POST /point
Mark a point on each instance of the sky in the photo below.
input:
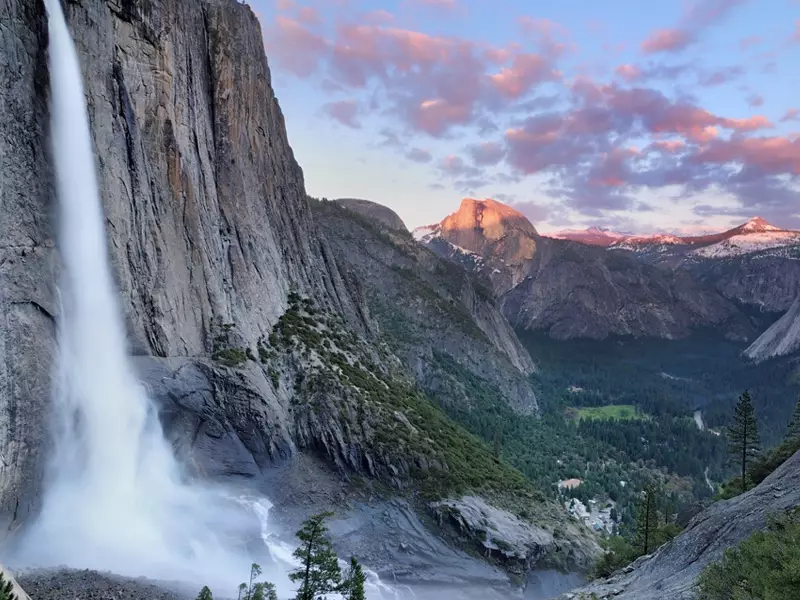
(634, 115)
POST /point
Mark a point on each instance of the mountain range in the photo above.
(596, 283)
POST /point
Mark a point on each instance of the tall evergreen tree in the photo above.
(205, 594)
(353, 586)
(270, 593)
(319, 571)
(647, 521)
(242, 590)
(255, 571)
(743, 435)
(794, 425)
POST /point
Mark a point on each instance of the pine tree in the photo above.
(270, 593)
(6, 589)
(242, 590)
(498, 441)
(743, 435)
(353, 586)
(794, 425)
(319, 572)
(205, 594)
(647, 521)
(255, 571)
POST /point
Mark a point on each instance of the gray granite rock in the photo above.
(670, 572)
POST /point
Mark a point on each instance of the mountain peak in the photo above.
(494, 219)
(757, 224)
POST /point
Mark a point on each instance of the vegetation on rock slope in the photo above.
(766, 566)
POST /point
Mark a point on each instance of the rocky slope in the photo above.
(670, 573)
(571, 289)
(781, 339)
(430, 310)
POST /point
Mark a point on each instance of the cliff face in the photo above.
(27, 256)
(206, 213)
(781, 339)
(430, 310)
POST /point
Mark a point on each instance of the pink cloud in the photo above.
(343, 111)
(525, 71)
(436, 116)
(628, 72)
(544, 33)
(308, 15)
(792, 114)
(434, 83)
(284, 4)
(796, 35)
(749, 41)
(379, 17)
(666, 40)
(701, 14)
(669, 145)
(774, 155)
(294, 47)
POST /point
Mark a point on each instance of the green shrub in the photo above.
(766, 566)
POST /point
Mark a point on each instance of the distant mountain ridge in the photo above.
(572, 289)
(769, 235)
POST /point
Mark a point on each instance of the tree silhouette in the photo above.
(319, 572)
(353, 586)
(743, 435)
(647, 521)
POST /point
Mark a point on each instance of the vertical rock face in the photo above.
(206, 212)
(782, 338)
(205, 202)
(27, 257)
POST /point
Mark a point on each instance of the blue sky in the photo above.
(626, 114)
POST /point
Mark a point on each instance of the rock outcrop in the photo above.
(781, 339)
(383, 214)
(670, 573)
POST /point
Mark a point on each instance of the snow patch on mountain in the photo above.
(750, 242)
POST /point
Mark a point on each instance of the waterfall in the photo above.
(114, 498)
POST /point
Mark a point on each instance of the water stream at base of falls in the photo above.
(115, 498)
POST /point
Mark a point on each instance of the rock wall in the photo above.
(206, 212)
(27, 258)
